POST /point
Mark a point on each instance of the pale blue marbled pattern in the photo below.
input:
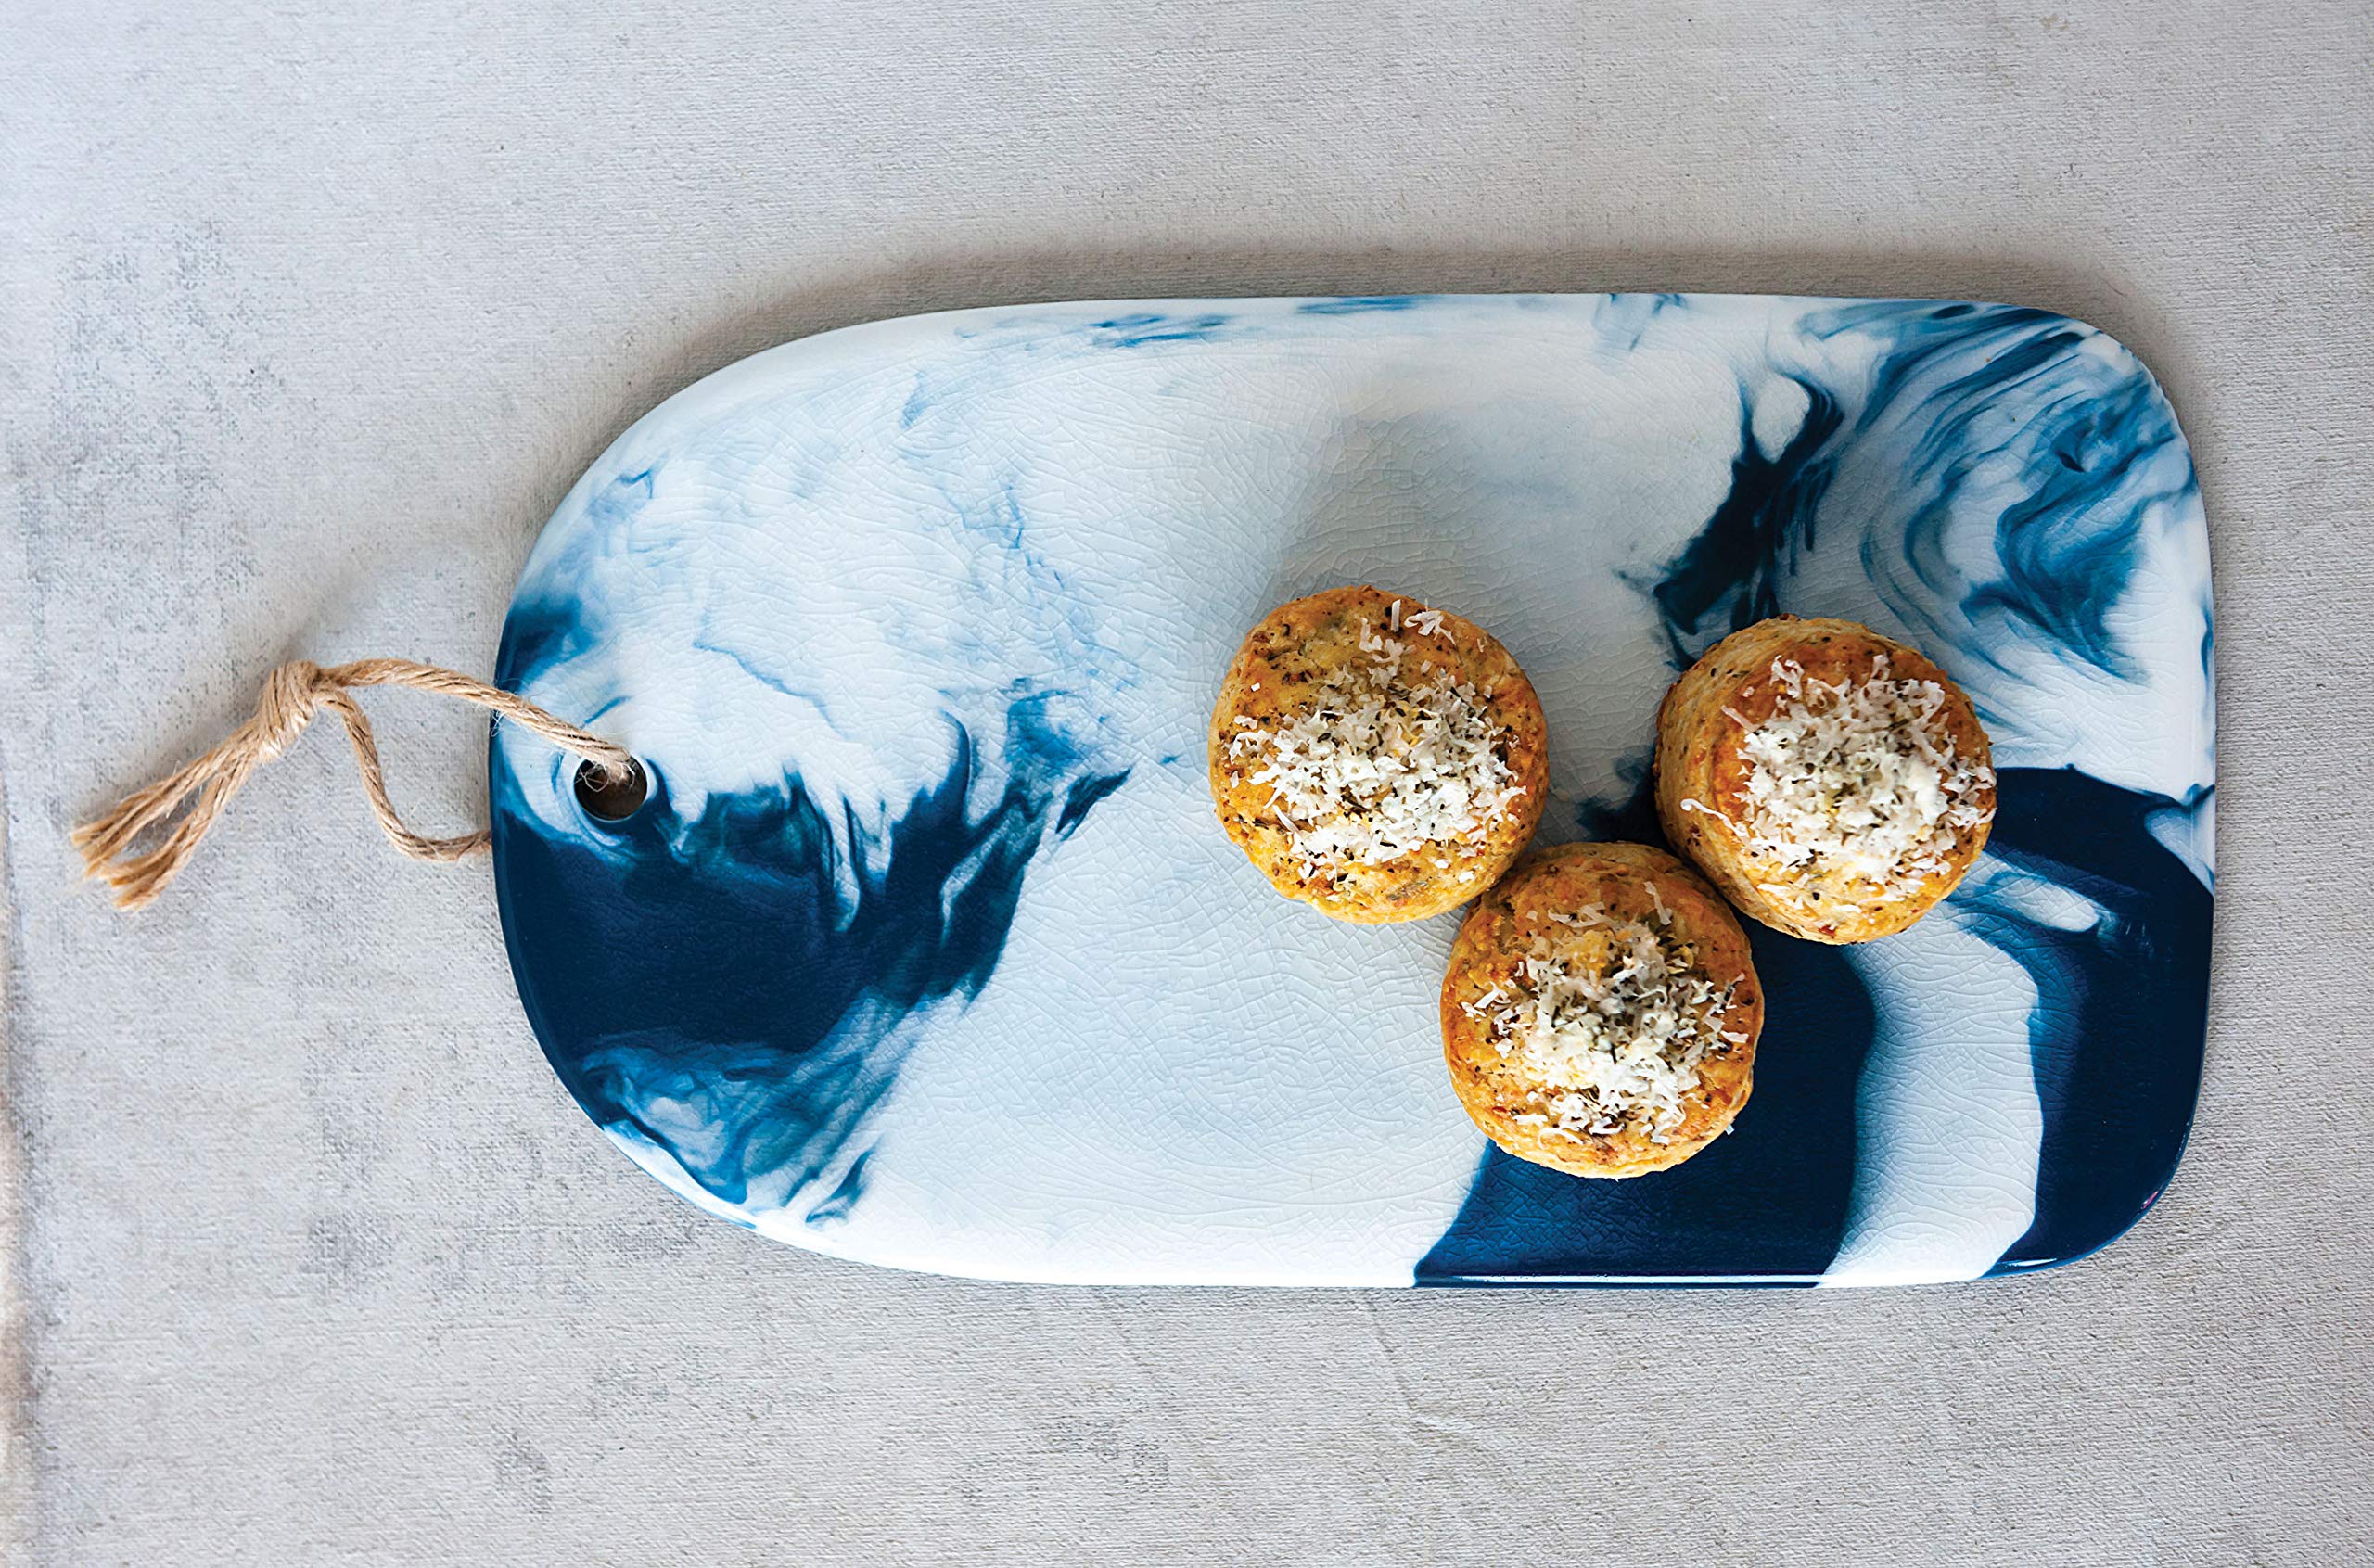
(927, 951)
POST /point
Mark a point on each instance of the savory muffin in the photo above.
(1601, 1011)
(1833, 783)
(1377, 759)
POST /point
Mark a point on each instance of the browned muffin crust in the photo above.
(1280, 683)
(1705, 772)
(1579, 903)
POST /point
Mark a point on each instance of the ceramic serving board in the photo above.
(926, 949)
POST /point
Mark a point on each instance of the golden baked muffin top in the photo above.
(1834, 783)
(1601, 1011)
(1377, 759)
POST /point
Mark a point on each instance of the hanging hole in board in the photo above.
(608, 799)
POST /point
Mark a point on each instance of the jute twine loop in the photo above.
(292, 694)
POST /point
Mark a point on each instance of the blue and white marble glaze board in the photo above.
(927, 951)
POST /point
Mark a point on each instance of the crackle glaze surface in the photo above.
(927, 951)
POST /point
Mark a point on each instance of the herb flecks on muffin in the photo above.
(1856, 777)
(1612, 1017)
(1386, 761)
(1834, 783)
(1377, 759)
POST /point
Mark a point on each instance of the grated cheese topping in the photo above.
(1858, 779)
(1382, 762)
(1613, 1019)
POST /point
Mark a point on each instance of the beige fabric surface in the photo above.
(307, 322)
